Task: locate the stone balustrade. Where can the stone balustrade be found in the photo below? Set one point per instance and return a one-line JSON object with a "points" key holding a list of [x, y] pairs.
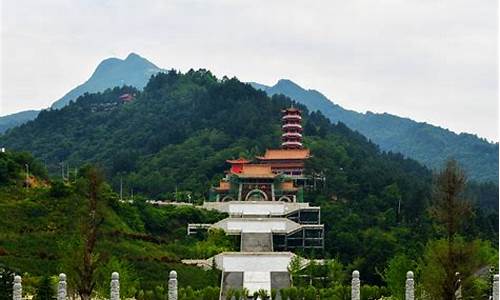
{"points": [[17, 289]]}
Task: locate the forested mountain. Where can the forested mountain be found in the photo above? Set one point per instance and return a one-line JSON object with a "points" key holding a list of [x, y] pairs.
{"points": [[133, 71], [428, 144], [423, 142], [17, 119], [172, 138], [41, 232]]}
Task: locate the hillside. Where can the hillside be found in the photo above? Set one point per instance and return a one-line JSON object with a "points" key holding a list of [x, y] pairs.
{"points": [[13, 120], [41, 232], [172, 139], [428, 144], [134, 71]]}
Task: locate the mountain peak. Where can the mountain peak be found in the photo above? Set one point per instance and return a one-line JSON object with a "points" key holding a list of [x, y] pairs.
{"points": [[288, 83], [136, 57], [134, 70], [133, 55]]}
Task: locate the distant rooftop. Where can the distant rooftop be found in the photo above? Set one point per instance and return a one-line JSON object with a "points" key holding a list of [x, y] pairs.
{"points": [[285, 154], [256, 170]]}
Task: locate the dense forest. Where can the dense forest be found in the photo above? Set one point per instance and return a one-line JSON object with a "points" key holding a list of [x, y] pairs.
{"points": [[170, 142], [430, 145], [41, 232]]}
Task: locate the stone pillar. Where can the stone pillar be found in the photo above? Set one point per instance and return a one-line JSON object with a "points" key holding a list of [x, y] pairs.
{"points": [[495, 287], [355, 286], [115, 286], [172, 286], [61, 287], [458, 286], [17, 291], [240, 191], [410, 286]]}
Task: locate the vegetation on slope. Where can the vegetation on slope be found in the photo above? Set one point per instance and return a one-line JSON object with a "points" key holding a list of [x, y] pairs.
{"points": [[171, 141], [41, 233], [428, 144]]}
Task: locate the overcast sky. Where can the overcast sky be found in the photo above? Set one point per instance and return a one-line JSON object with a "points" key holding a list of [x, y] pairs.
{"points": [[432, 61]]}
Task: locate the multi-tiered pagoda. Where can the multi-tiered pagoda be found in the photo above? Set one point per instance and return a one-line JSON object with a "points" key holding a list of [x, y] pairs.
{"points": [[264, 200], [292, 129]]}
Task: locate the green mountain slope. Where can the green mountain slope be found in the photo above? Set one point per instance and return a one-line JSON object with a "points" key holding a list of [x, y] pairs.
{"points": [[40, 232], [13, 120], [172, 140], [132, 71], [428, 144], [176, 132]]}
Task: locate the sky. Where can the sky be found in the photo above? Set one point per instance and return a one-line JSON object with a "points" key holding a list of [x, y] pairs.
{"points": [[434, 61]]}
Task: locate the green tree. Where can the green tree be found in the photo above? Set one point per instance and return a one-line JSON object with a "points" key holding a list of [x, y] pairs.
{"points": [[6, 282], [294, 267], [454, 255], [86, 259], [395, 274], [128, 277], [470, 257], [450, 210], [45, 289], [336, 272]]}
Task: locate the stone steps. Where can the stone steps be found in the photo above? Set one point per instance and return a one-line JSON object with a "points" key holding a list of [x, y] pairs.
{"points": [[256, 242]]}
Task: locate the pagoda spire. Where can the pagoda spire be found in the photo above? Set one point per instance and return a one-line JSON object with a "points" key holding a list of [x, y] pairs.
{"points": [[291, 138]]}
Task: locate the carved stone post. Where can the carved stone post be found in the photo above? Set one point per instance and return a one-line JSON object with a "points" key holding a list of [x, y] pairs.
{"points": [[410, 286], [17, 291], [495, 287], [115, 286], [61, 287], [458, 286], [172, 286], [355, 286]]}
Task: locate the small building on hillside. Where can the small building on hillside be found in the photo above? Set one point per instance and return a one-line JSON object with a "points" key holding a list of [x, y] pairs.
{"points": [[125, 98]]}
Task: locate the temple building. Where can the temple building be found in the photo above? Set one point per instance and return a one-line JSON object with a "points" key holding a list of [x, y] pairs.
{"points": [[247, 181], [265, 203], [278, 175]]}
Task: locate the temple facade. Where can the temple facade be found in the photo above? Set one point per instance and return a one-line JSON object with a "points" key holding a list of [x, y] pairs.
{"points": [[265, 203], [246, 181]]}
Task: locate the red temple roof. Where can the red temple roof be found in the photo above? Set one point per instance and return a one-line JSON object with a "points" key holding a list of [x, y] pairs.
{"points": [[279, 154], [256, 171]]}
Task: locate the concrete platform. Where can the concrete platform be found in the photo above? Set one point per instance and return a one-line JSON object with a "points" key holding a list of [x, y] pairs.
{"points": [[261, 270], [256, 225], [256, 208]]}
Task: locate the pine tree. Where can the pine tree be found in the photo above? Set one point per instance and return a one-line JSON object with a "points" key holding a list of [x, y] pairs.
{"points": [[450, 210], [45, 289]]}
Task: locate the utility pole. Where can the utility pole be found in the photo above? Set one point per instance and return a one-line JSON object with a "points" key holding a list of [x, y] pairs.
{"points": [[62, 170], [399, 211], [121, 189], [27, 174]]}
